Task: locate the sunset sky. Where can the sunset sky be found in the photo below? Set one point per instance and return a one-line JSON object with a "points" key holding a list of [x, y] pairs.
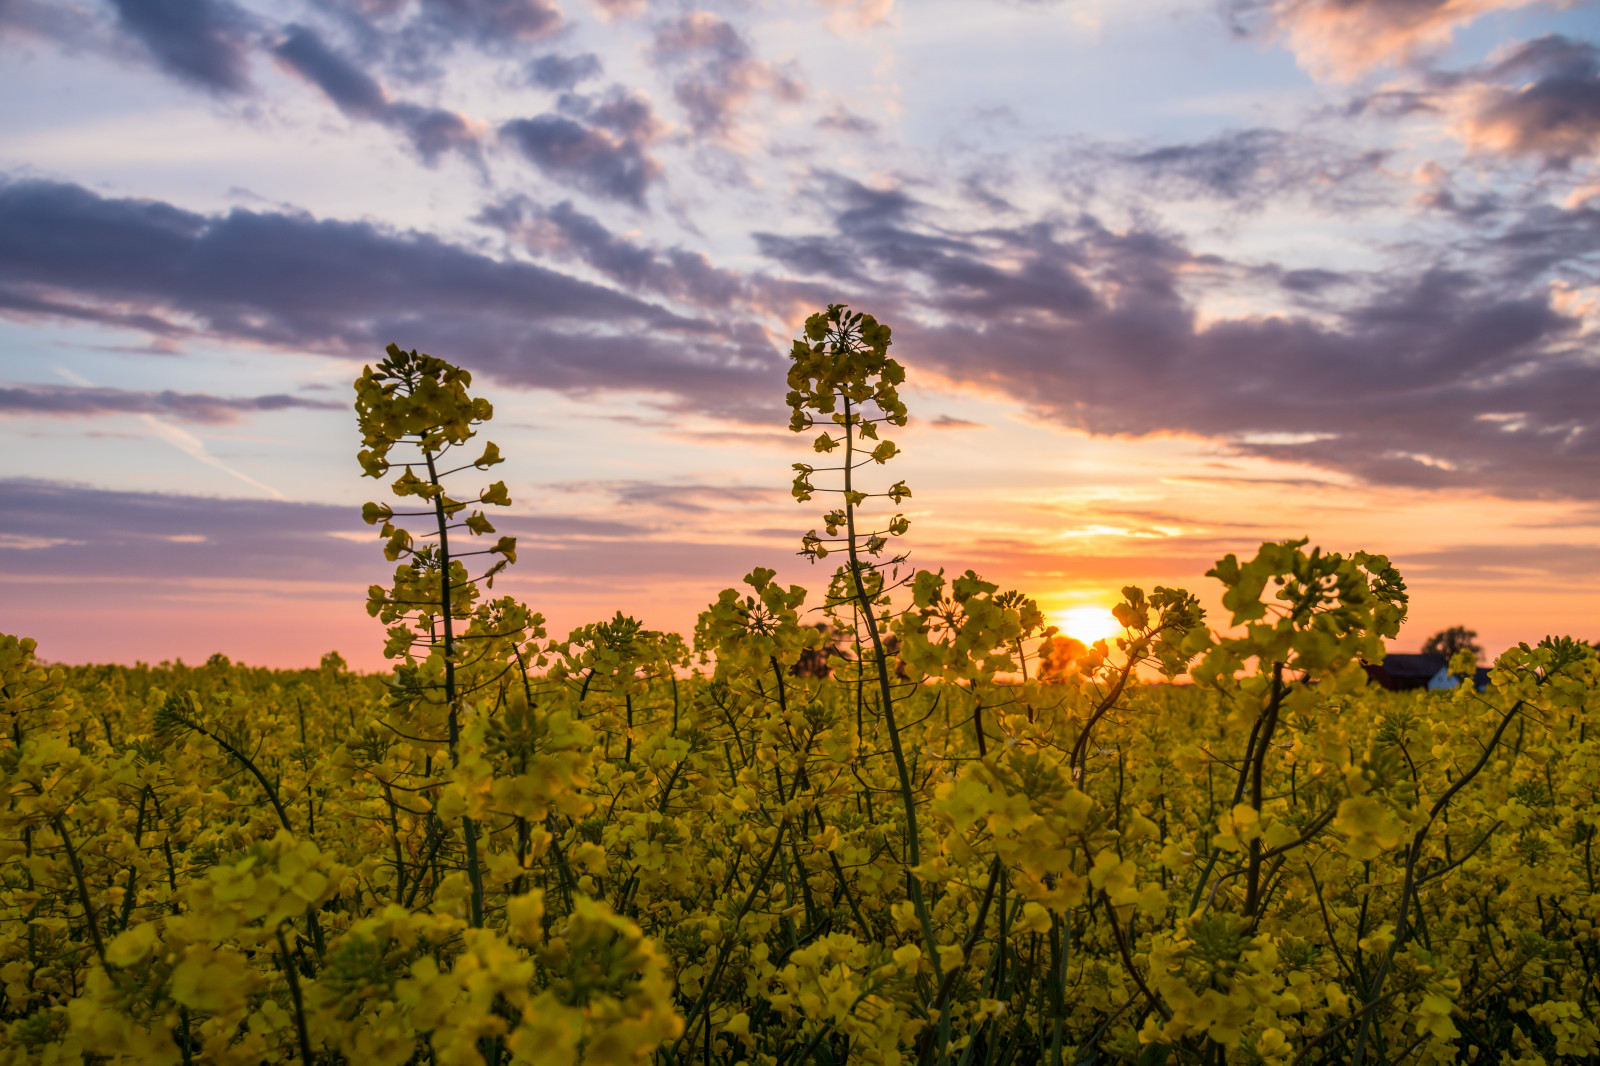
{"points": [[1169, 277]]}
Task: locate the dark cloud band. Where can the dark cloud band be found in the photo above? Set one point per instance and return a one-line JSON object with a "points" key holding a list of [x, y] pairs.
{"points": [[293, 282], [75, 401]]}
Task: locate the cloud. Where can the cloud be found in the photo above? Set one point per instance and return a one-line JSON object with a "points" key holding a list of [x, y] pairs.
{"points": [[1251, 166], [202, 42], [811, 255], [563, 72], [721, 74], [99, 532], [842, 120], [432, 131], [49, 20], [1538, 100], [28, 305], [51, 528], [289, 281], [600, 147], [853, 16], [416, 38], [1312, 281], [564, 231], [1347, 38], [63, 401], [1554, 115], [610, 9], [692, 498], [1456, 371], [494, 22], [1436, 378], [1568, 564], [351, 89]]}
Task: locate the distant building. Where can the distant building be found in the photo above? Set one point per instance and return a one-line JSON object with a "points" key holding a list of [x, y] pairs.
{"points": [[1399, 672], [1444, 680]]}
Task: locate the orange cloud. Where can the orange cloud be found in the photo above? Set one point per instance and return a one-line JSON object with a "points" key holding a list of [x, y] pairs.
{"points": [[1554, 115], [851, 16], [1346, 38]]}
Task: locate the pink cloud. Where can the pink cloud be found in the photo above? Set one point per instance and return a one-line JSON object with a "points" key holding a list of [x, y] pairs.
{"points": [[1551, 111], [1346, 38]]}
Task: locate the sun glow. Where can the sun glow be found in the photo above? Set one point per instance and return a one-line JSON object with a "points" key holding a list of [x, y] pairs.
{"points": [[1088, 624]]}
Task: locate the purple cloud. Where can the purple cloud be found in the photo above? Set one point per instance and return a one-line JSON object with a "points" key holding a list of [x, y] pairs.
{"points": [[291, 281], [603, 150], [494, 22], [432, 131], [563, 230], [75, 401], [1554, 116], [721, 73], [1442, 378], [202, 42], [351, 89], [555, 71], [52, 527]]}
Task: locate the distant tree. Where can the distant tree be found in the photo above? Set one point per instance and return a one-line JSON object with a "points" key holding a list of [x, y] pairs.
{"points": [[1447, 642]]}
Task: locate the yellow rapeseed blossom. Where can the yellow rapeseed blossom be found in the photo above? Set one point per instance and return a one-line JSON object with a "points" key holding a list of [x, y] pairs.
{"points": [[878, 825]]}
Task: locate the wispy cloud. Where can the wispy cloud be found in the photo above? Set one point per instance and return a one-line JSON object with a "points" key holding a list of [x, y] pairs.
{"points": [[432, 131], [853, 16], [1348, 38], [720, 74], [71, 24], [1249, 167], [564, 231], [87, 401]]}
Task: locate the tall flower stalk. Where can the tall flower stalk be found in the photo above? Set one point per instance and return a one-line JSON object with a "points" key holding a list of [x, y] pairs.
{"points": [[842, 376], [421, 404]]}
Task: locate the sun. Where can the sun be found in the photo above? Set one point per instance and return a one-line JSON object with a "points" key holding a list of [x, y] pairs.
{"points": [[1088, 624]]}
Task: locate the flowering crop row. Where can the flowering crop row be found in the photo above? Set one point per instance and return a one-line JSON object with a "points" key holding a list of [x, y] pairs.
{"points": [[976, 843]]}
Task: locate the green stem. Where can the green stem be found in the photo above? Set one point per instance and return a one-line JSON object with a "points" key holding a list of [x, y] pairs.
{"points": [[469, 826], [83, 889], [908, 795], [293, 978]]}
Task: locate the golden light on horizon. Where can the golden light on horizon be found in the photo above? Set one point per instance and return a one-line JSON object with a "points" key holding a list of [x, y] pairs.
{"points": [[1088, 624]]}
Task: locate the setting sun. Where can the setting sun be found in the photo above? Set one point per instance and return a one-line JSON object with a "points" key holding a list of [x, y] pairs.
{"points": [[1088, 624]]}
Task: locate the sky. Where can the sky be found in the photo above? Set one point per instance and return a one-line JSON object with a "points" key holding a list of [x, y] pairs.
{"points": [[1169, 278]]}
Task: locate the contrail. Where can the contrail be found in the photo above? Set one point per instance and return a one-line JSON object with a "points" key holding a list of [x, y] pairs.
{"points": [[181, 439]]}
